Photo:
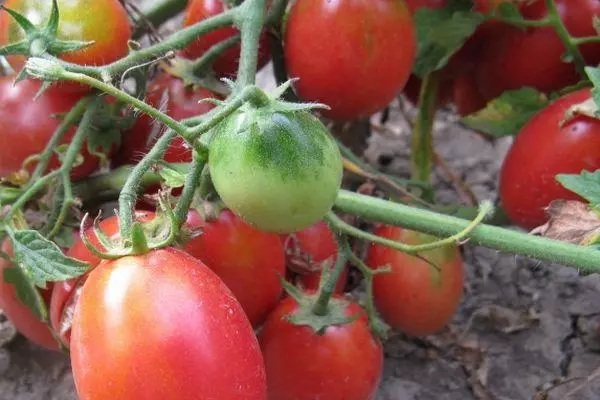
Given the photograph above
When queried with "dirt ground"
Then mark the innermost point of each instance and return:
(525, 330)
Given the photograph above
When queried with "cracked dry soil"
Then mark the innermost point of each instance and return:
(525, 330)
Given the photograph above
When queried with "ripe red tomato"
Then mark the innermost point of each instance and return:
(181, 102)
(342, 363)
(543, 149)
(354, 56)
(227, 63)
(163, 325)
(18, 313)
(532, 57)
(103, 22)
(307, 251)
(466, 95)
(66, 293)
(28, 124)
(250, 262)
(414, 297)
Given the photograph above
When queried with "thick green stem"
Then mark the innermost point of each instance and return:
(490, 236)
(31, 191)
(202, 63)
(421, 151)
(159, 13)
(326, 290)
(584, 40)
(276, 12)
(128, 195)
(192, 182)
(250, 21)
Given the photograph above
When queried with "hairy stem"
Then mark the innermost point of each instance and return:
(326, 290)
(250, 21)
(202, 63)
(159, 13)
(192, 182)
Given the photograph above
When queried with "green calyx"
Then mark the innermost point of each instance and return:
(40, 40)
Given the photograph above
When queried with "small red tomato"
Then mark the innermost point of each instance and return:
(26, 322)
(547, 146)
(250, 262)
(344, 362)
(308, 250)
(28, 124)
(415, 297)
(354, 56)
(163, 326)
(227, 63)
(66, 293)
(179, 102)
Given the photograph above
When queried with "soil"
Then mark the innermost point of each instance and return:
(525, 329)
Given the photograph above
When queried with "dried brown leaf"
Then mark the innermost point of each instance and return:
(571, 221)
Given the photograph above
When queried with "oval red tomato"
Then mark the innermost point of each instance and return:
(103, 22)
(163, 325)
(352, 56)
(415, 297)
(543, 149)
(179, 102)
(227, 63)
(26, 322)
(307, 251)
(250, 262)
(28, 125)
(344, 362)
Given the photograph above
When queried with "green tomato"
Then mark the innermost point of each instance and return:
(279, 171)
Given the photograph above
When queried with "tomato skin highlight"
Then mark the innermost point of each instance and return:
(163, 326)
(227, 64)
(543, 149)
(343, 363)
(24, 320)
(105, 22)
(250, 262)
(414, 298)
(279, 171)
(29, 124)
(181, 103)
(360, 66)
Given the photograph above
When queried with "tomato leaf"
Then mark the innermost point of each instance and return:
(172, 177)
(100, 143)
(507, 114)
(586, 184)
(26, 291)
(508, 11)
(571, 221)
(41, 260)
(594, 75)
(441, 33)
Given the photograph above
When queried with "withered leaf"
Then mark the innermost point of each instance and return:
(571, 221)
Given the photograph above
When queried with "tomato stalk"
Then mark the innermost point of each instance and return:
(249, 19)
(201, 64)
(192, 182)
(329, 280)
(425, 221)
(159, 13)
(422, 146)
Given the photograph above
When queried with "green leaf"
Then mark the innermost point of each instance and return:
(441, 33)
(100, 143)
(64, 238)
(21, 47)
(26, 292)
(507, 114)
(58, 47)
(508, 11)
(20, 19)
(172, 177)
(586, 184)
(41, 260)
(594, 75)
(52, 25)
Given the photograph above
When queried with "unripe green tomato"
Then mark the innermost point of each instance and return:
(279, 171)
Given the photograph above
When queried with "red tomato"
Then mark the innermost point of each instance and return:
(414, 297)
(308, 250)
(103, 22)
(542, 150)
(413, 88)
(227, 63)
(250, 262)
(343, 363)
(466, 95)
(28, 125)
(66, 293)
(532, 57)
(162, 326)
(18, 313)
(354, 56)
(181, 103)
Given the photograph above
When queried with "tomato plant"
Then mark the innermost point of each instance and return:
(344, 362)
(102, 22)
(358, 67)
(545, 147)
(22, 317)
(288, 168)
(250, 262)
(417, 297)
(227, 63)
(141, 313)
(31, 122)
(179, 102)
(308, 250)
